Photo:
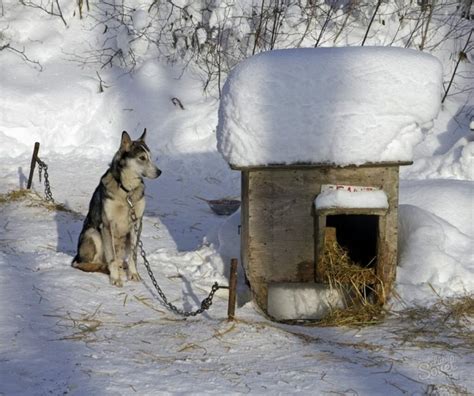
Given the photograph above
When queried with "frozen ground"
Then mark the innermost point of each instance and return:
(63, 331)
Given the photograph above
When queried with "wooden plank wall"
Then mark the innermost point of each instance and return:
(278, 223)
(387, 243)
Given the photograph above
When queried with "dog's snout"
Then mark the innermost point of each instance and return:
(154, 173)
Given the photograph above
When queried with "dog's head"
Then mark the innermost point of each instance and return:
(137, 157)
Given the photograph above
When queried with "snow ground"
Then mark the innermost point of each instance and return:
(66, 332)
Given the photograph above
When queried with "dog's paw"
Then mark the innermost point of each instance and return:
(133, 276)
(116, 281)
(117, 273)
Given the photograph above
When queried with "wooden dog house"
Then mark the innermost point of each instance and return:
(300, 124)
(282, 233)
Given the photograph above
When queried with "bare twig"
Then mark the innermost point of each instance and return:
(22, 54)
(379, 2)
(461, 56)
(259, 28)
(323, 29)
(426, 27)
(102, 84)
(45, 8)
(177, 102)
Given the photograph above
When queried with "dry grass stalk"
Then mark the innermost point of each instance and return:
(447, 324)
(354, 316)
(358, 284)
(35, 200)
(13, 196)
(337, 267)
(192, 346)
(147, 303)
(460, 309)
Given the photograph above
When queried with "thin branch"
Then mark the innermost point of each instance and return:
(22, 55)
(379, 2)
(44, 9)
(461, 56)
(328, 18)
(259, 28)
(427, 27)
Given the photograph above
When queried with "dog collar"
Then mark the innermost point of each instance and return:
(123, 188)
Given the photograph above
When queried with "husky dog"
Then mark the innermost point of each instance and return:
(108, 232)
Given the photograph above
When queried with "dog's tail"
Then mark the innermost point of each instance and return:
(91, 267)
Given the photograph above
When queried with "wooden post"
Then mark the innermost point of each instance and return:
(33, 164)
(232, 289)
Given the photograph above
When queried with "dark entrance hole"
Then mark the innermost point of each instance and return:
(358, 234)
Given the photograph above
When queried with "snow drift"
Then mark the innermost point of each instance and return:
(434, 255)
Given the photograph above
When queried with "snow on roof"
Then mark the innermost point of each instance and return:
(342, 106)
(373, 199)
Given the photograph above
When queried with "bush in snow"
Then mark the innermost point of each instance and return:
(213, 36)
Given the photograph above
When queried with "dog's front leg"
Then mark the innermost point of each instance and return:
(114, 254)
(132, 261)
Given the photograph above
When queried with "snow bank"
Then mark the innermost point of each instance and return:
(58, 108)
(450, 200)
(447, 151)
(351, 199)
(433, 255)
(328, 105)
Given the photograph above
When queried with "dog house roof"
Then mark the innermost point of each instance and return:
(341, 106)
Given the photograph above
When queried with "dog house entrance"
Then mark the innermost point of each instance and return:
(357, 234)
(346, 239)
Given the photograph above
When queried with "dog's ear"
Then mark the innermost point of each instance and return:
(126, 141)
(142, 138)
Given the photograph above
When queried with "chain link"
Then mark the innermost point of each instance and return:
(47, 187)
(205, 304)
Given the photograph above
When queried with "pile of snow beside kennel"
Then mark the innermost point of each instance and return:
(299, 121)
(328, 105)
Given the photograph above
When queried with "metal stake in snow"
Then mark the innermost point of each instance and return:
(206, 303)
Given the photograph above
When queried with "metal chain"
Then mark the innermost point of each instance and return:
(205, 304)
(47, 187)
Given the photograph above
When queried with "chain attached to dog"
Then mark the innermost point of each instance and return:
(205, 304)
(47, 187)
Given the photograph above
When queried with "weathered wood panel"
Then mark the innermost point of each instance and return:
(244, 220)
(281, 233)
(388, 237)
(320, 243)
